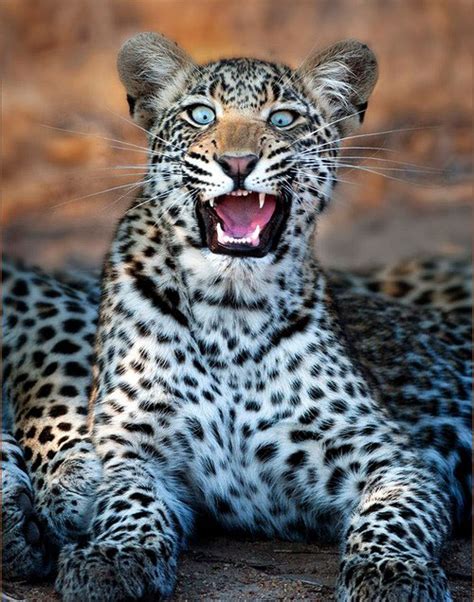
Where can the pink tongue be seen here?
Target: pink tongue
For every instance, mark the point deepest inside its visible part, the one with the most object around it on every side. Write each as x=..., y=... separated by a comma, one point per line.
x=241, y=215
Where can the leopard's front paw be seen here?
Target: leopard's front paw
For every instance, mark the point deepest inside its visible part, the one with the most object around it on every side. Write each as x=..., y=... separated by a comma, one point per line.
x=391, y=580
x=66, y=502
x=102, y=571
x=23, y=543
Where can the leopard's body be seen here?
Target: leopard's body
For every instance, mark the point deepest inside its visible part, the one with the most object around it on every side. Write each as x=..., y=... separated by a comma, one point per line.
x=263, y=392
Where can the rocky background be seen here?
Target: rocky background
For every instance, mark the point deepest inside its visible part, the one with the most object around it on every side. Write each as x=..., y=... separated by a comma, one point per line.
x=66, y=131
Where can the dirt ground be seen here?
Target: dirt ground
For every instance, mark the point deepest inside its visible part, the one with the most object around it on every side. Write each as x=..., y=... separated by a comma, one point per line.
x=224, y=569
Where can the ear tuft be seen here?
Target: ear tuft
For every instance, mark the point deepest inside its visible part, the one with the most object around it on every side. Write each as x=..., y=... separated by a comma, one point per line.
x=147, y=64
x=343, y=74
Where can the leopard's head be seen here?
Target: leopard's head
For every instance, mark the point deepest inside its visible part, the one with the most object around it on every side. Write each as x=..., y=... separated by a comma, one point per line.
x=242, y=151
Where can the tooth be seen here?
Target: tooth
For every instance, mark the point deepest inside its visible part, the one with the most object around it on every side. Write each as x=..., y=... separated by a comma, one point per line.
x=256, y=233
x=211, y=202
x=220, y=233
x=261, y=199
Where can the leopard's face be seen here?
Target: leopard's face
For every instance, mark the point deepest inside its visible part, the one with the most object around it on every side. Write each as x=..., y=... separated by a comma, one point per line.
x=243, y=152
x=256, y=156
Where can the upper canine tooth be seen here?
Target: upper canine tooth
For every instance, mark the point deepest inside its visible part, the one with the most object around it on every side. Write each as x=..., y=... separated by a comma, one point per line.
x=261, y=199
x=211, y=202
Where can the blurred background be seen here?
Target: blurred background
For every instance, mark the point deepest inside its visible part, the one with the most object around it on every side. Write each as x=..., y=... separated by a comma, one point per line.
x=59, y=72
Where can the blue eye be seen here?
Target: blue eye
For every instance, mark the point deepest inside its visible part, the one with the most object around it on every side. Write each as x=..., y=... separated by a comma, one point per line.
x=202, y=114
x=282, y=119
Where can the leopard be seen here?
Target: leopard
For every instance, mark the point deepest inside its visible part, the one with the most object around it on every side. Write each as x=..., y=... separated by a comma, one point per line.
x=217, y=372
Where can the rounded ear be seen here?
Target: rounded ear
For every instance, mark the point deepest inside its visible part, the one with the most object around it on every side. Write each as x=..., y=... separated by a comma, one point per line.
x=148, y=64
x=344, y=75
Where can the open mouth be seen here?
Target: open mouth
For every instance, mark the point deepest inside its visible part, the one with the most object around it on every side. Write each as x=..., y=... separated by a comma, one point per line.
x=242, y=223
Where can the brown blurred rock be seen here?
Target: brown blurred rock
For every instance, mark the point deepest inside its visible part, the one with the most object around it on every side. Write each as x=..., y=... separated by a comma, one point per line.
x=73, y=151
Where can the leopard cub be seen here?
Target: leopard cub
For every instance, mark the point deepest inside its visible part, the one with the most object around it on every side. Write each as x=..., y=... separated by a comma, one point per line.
x=221, y=371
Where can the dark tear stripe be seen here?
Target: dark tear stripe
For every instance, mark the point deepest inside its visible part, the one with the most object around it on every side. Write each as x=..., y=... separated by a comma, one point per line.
x=145, y=285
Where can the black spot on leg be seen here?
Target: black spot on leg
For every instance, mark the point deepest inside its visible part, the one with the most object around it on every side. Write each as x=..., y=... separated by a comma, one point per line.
x=46, y=435
x=335, y=480
x=75, y=369
x=297, y=459
x=266, y=451
x=73, y=325
x=195, y=428
x=144, y=499
x=58, y=410
x=68, y=391
x=65, y=347
x=20, y=288
x=44, y=391
x=45, y=334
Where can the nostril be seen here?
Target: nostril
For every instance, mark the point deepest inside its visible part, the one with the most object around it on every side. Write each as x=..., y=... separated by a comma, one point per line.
x=226, y=165
x=252, y=163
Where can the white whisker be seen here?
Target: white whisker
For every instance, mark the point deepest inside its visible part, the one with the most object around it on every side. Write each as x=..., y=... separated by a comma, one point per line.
x=411, y=129
x=337, y=162
x=384, y=175
x=96, y=194
x=325, y=125
x=78, y=133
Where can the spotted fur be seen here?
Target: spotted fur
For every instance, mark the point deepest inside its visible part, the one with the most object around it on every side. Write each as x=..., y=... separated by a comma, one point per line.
x=265, y=393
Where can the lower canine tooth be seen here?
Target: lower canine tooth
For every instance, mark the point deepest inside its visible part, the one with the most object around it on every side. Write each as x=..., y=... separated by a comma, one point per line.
x=220, y=233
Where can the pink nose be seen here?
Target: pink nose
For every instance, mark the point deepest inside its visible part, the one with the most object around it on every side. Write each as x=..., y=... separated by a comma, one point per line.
x=237, y=167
